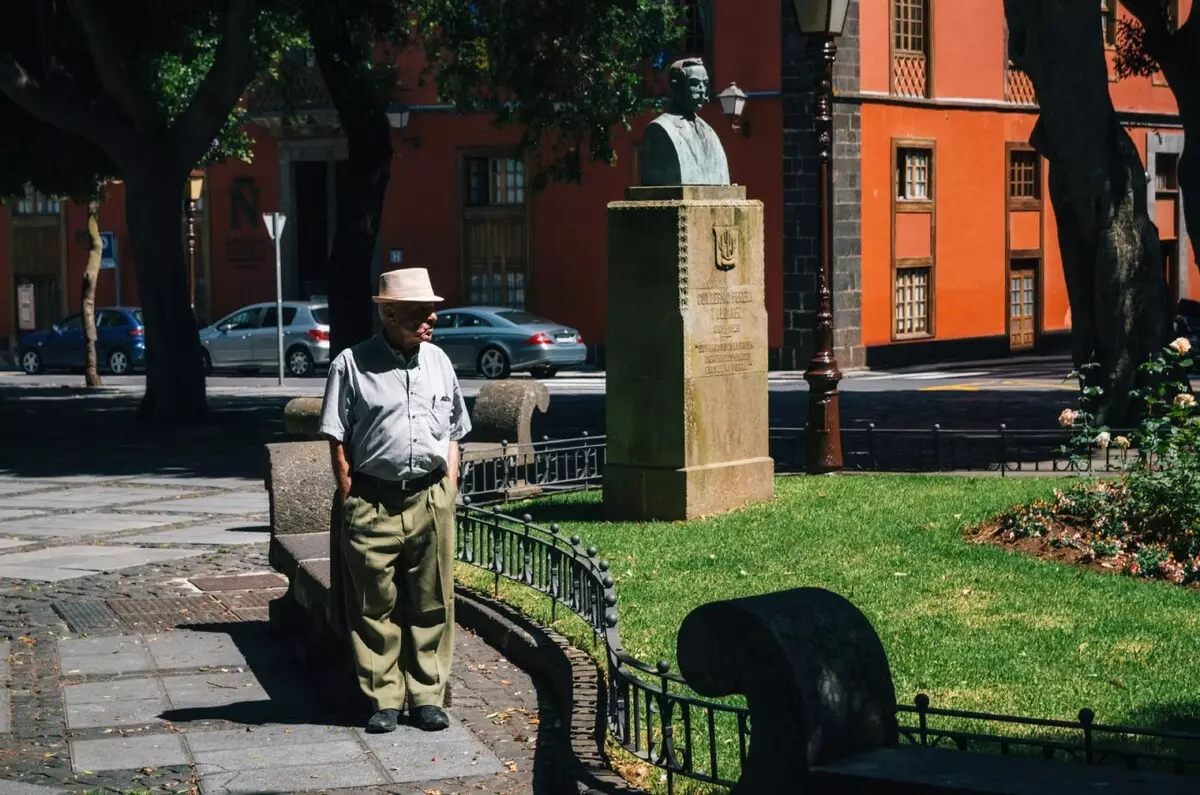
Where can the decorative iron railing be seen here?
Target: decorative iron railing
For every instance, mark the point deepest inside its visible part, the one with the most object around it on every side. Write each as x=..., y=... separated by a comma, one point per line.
x=543, y=467
x=651, y=711
x=936, y=449
x=1081, y=740
x=569, y=464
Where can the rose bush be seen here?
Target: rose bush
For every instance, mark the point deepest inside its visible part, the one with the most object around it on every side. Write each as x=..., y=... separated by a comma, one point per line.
x=1145, y=523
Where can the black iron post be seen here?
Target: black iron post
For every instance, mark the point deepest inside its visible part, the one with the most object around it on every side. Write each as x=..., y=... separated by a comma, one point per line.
x=823, y=375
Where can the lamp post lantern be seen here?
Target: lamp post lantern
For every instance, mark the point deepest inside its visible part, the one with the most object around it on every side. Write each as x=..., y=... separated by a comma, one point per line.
x=195, y=191
x=823, y=21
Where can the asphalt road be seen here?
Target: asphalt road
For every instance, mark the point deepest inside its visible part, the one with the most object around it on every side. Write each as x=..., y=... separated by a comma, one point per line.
x=52, y=426
x=1037, y=377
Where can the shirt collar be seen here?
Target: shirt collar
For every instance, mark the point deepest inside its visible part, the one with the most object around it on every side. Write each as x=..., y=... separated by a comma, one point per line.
x=405, y=362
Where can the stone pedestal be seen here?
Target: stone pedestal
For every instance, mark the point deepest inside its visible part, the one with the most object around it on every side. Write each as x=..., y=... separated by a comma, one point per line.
x=686, y=381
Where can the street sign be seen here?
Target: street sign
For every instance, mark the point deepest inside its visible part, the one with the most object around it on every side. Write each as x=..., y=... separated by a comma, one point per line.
x=275, y=222
x=108, y=256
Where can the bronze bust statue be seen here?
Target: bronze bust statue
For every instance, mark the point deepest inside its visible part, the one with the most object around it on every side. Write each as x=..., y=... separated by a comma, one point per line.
x=679, y=148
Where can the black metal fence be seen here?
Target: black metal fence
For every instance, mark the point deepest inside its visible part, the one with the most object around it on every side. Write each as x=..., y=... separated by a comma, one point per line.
x=1002, y=451
x=1082, y=740
x=545, y=466
x=655, y=716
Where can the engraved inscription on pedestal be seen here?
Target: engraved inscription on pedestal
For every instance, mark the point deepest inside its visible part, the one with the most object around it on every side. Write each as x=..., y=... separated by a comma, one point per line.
x=728, y=332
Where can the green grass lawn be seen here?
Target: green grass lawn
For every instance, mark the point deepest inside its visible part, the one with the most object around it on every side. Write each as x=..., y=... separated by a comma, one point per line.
x=974, y=626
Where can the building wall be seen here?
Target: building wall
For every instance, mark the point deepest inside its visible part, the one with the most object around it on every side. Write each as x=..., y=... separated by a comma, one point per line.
x=969, y=123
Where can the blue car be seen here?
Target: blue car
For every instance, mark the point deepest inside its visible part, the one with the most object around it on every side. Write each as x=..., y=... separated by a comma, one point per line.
x=120, y=343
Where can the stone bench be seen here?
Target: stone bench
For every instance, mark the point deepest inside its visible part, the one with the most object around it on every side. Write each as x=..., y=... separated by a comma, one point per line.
x=822, y=707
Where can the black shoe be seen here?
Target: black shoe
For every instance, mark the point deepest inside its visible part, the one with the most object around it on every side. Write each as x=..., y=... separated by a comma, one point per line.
x=430, y=719
x=383, y=721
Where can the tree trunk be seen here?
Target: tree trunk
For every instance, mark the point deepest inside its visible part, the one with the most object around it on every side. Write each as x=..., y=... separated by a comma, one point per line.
x=174, y=369
x=344, y=54
x=1109, y=245
x=91, y=275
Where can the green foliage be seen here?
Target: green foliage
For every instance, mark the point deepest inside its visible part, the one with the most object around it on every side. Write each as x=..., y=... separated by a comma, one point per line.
x=568, y=72
x=1146, y=523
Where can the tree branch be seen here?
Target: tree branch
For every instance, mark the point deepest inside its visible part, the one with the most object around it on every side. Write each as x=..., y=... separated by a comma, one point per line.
x=72, y=115
x=223, y=86
x=112, y=69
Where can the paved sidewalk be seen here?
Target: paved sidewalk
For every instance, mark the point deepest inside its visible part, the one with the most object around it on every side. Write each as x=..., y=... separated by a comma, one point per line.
x=135, y=657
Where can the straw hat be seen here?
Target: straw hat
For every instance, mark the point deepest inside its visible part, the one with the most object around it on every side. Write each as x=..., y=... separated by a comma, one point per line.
x=407, y=284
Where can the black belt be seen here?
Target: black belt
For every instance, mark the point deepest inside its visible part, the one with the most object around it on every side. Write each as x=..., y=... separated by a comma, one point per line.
x=409, y=484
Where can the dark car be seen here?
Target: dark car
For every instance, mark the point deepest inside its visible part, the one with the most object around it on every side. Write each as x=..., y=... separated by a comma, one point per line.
x=120, y=343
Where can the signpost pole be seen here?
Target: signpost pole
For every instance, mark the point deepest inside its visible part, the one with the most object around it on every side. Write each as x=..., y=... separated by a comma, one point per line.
x=275, y=222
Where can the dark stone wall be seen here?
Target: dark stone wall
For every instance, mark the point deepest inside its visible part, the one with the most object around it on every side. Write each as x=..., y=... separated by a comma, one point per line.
x=801, y=262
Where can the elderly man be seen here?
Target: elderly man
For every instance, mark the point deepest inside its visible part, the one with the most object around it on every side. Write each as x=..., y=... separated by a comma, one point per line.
x=394, y=415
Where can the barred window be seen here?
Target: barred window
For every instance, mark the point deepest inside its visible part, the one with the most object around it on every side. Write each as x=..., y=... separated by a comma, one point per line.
x=1166, y=171
x=1173, y=15
x=1108, y=21
x=912, y=175
x=495, y=181
x=910, y=32
x=694, y=17
x=35, y=203
x=1023, y=175
x=912, y=302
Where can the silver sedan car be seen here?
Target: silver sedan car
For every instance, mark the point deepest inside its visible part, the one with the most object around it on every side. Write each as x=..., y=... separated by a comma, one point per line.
x=246, y=339
x=494, y=341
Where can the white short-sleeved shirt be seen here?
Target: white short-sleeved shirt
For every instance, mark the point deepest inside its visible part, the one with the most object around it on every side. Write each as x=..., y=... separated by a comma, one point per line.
x=396, y=416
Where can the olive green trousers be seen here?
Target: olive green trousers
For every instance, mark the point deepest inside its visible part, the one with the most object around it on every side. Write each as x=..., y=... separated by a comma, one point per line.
x=398, y=561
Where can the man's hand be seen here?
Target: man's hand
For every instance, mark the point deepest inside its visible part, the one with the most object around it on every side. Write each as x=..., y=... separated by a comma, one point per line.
x=341, y=469
x=452, y=465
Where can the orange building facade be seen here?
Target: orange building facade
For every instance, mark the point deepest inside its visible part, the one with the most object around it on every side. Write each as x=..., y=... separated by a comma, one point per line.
x=944, y=238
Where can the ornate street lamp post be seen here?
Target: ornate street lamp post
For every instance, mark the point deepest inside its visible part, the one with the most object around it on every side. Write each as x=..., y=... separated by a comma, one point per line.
x=195, y=191
x=823, y=21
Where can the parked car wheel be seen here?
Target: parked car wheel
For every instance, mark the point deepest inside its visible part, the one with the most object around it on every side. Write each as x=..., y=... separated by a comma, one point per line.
x=118, y=362
x=493, y=364
x=299, y=362
x=543, y=372
x=31, y=362
x=206, y=362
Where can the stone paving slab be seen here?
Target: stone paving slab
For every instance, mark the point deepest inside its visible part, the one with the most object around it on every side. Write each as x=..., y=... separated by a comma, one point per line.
x=5, y=710
x=189, y=481
x=127, y=702
x=21, y=788
x=4, y=654
x=184, y=649
x=65, y=562
x=211, y=690
x=12, y=543
x=78, y=525
x=92, y=497
x=298, y=778
x=239, y=750
x=238, y=503
x=410, y=754
x=128, y=753
x=215, y=534
x=117, y=654
x=17, y=513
